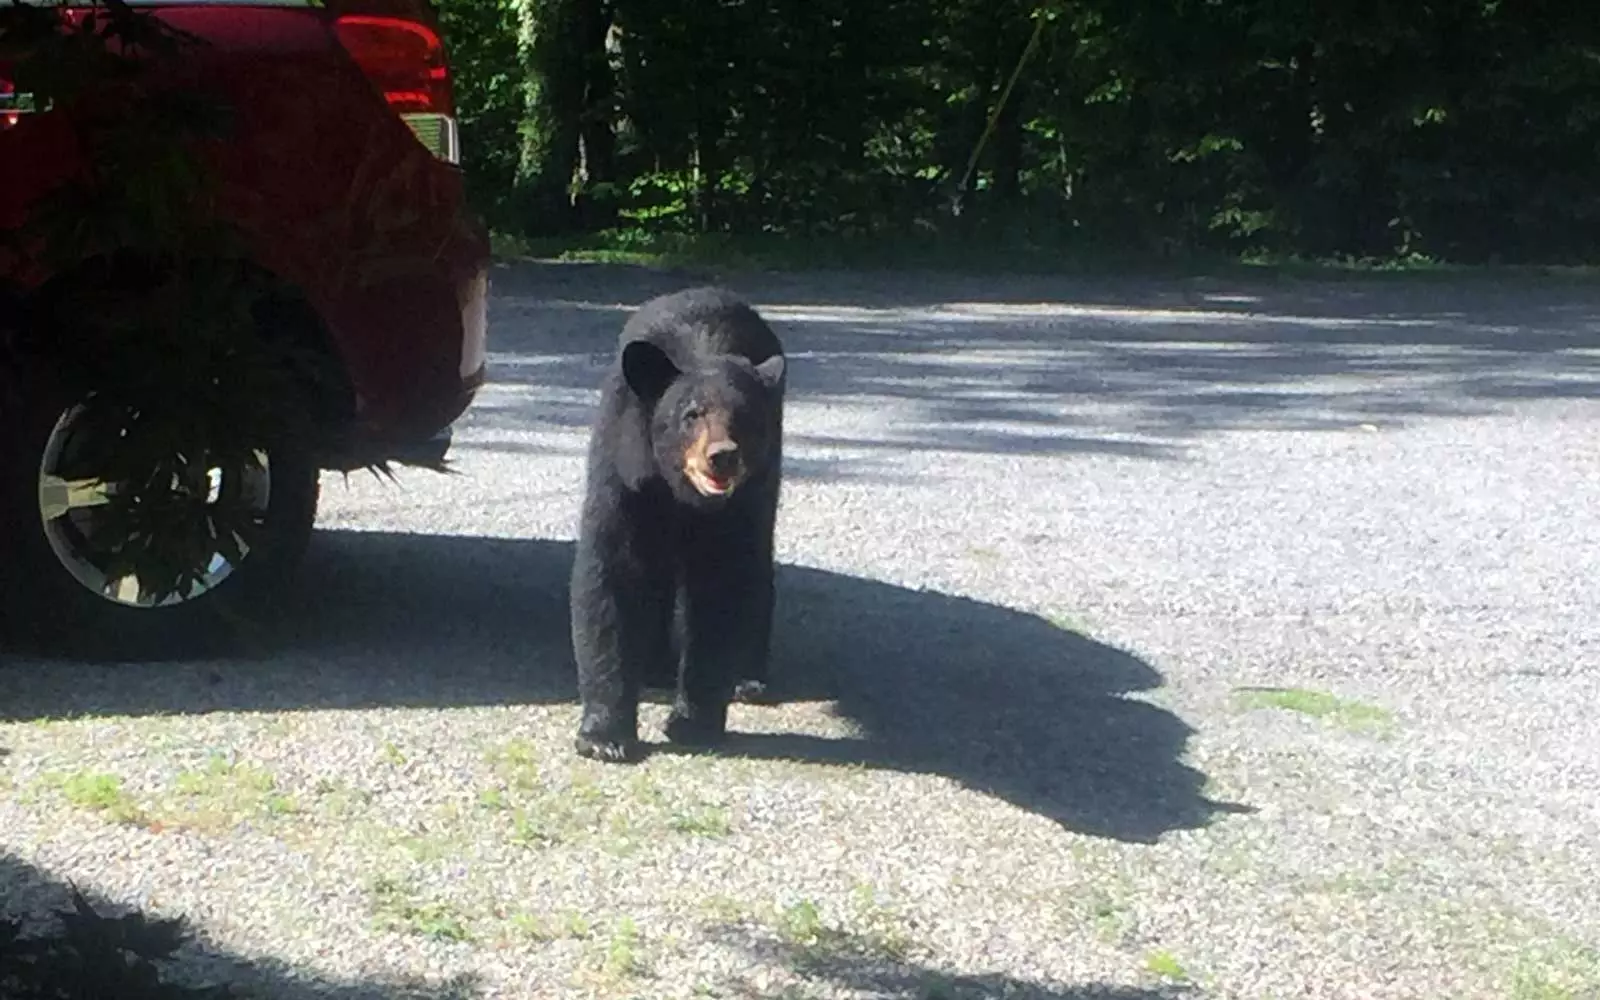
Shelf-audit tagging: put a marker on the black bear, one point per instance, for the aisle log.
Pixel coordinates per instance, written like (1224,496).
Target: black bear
(675,540)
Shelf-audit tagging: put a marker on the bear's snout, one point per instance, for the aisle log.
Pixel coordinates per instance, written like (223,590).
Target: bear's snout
(723,457)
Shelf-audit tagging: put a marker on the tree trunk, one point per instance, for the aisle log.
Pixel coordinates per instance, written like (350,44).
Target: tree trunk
(597,198)
(554,79)
(708,165)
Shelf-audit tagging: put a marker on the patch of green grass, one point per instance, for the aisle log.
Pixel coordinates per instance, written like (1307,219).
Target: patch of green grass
(576,925)
(618,817)
(1164,965)
(280,805)
(644,790)
(1562,970)
(531,925)
(800,924)
(878,933)
(397,908)
(552,820)
(1353,716)
(492,798)
(225,792)
(390,754)
(517,764)
(932,250)
(101,793)
(701,820)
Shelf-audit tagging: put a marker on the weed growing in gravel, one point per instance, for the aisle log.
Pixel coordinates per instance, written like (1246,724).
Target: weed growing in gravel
(1353,716)
(224,793)
(492,798)
(397,908)
(531,926)
(391,754)
(801,926)
(576,925)
(536,927)
(101,793)
(624,958)
(1161,963)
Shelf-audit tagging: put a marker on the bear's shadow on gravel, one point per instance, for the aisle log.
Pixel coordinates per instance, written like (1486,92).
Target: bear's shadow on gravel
(1002,701)
(998,700)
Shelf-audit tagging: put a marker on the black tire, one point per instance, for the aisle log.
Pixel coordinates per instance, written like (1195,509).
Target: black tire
(45,609)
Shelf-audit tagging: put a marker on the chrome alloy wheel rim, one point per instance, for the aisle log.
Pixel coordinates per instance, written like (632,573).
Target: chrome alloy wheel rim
(72,510)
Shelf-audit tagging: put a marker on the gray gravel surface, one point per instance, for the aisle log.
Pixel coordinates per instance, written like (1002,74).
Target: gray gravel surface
(1043,540)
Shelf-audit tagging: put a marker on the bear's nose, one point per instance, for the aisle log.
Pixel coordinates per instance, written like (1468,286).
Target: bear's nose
(724,459)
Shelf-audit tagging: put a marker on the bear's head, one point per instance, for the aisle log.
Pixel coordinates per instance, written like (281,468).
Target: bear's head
(712,427)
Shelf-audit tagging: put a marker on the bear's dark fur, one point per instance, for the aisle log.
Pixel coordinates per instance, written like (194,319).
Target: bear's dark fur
(676,535)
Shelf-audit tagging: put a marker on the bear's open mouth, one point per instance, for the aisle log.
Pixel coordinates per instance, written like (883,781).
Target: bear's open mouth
(708,483)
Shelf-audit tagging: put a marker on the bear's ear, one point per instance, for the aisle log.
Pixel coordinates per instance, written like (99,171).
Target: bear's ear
(770,371)
(647,369)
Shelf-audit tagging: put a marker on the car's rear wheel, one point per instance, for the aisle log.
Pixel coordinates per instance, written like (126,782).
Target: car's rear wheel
(123,562)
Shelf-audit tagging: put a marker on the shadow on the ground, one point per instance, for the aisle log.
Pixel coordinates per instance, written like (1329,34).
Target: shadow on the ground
(1052,365)
(850,962)
(98,962)
(999,700)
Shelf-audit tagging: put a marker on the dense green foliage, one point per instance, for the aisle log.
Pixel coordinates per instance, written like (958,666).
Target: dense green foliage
(1453,129)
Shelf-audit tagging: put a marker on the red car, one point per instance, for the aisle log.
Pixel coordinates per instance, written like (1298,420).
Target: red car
(340,172)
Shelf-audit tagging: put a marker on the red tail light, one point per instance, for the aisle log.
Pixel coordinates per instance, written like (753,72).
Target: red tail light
(405,60)
(8,101)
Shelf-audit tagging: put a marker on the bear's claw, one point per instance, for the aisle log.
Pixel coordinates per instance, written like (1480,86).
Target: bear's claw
(609,751)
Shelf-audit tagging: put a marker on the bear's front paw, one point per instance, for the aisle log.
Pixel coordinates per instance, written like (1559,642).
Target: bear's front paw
(691,731)
(611,751)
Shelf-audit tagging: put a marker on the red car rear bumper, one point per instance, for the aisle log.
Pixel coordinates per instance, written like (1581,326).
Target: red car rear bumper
(416,348)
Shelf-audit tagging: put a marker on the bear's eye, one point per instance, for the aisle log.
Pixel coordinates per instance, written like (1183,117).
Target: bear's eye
(693,413)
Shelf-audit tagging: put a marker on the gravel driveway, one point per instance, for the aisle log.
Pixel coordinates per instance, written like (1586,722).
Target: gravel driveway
(1137,639)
